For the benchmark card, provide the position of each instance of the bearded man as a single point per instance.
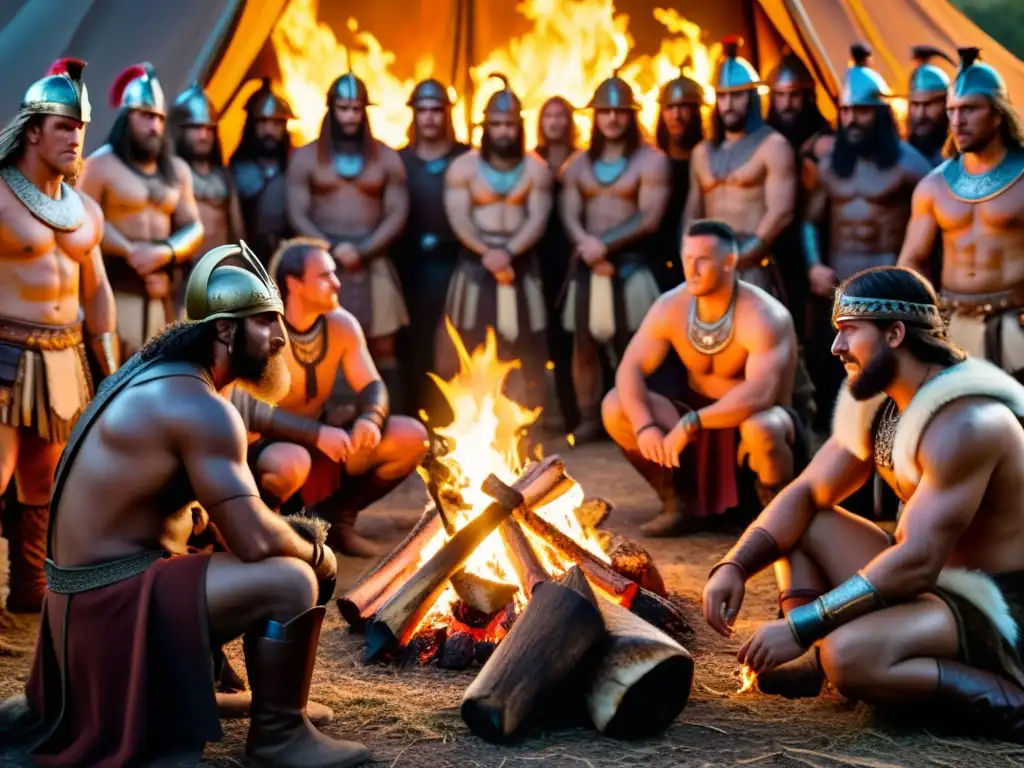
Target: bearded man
(927, 122)
(680, 129)
(975, 203)
(51, 273)
(429, 247)
(197, 143)
(129, 616)
(258, 167)
(863, 200)
(732, 401)
(613, 199)
(152, 228)
(339, 462)
(498, 200)
(349, 189)
(933, 613)
(745, 174)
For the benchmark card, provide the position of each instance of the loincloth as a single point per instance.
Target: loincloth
(610, 308)
(989, 610)
(45, 382)
(373, 294)
(989, 326)
(123, 670)
(325, 474)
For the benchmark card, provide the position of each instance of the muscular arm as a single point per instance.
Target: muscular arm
(571, 204)
(646, 351)
(394, 207)
(187, 233)
(652, 198)
(356, 364)
(92, 182)
(458, 204)
(538, 211)
(299, 198)
(96, 296)
(266, 420)
(209, 438)
(771, 347)
(780, 188)
(959, 452)
(922, 230)
(695, 196)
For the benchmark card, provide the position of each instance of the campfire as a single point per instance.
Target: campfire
(571, 47)
(507, 568)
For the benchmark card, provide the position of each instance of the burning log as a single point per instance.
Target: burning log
(524, 559)
(559, 626)
(635, 563)
(401, 614)
(641, 679)
(459, 651)
(592, 512)
(482, 594)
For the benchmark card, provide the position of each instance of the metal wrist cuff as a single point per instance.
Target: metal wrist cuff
(691, 423)
(107, 348)
(185, 241)
(755, 550)
(850, 600)
(812, 248)
(293, 428)
(752, 247)
(374, 404)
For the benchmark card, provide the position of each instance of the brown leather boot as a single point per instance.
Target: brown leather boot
(280, 664)
(237, 706)
(25, 531)
(992, 702)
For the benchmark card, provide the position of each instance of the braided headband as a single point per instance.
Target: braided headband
(846, 308)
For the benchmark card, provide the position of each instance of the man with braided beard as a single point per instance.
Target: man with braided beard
(975, 202)
(933, 613)
(349, 189)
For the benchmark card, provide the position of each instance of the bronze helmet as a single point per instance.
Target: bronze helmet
(60, 92)
(976, 77)
(264, 103)
(137, 87)
(348, 87)
(193, 107)
(228, 291)
(681, 90)
(429, 90)
(733, 72)
(504, 102)
(864, 87)
(790, 74)
(614, 93)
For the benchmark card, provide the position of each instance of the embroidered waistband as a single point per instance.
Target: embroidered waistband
(983, 304)
(71, 581)
(43, 337)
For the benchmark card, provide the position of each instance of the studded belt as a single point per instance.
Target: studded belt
(983, 304)
(43, 337)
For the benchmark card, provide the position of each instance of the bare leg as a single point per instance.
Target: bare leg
(588, 381)
(766, 439)
(8, 508)
(281, 471)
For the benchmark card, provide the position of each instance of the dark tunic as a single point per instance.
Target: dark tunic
(261, 195)
(666, 243)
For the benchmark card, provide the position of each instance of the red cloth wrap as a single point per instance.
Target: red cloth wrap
(324, 478)
(709, 479)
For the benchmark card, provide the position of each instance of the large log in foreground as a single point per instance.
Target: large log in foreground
(395, 622)
(556, 631)
(641, 679)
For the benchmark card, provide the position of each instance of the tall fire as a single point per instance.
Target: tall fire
(572, 46)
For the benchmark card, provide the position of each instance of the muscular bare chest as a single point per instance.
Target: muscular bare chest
(367, 185)
(1000, 215)
(493, 186)
(127, 194)
(869, 209)
(23, 238)
(314, 362)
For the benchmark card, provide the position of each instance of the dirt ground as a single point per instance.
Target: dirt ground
(410, 717)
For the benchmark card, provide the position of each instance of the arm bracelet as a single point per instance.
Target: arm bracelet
(850, 600)
(811, 244)
(269, 421)
(755, 550)
(374, 405)
(753, 247)
(691, 423)
(107, 349)
(185, 241)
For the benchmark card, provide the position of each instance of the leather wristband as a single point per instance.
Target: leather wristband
(374, 403)
(755, 550)
(645, 427)
(293, 428)
(850, 600)
(107, 349)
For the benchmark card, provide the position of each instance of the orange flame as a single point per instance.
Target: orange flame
(572, 46)
(748, 678)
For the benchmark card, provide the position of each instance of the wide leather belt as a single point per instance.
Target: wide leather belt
(43, 337)
(983, 304)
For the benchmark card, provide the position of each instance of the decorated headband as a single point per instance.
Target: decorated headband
(846, 308)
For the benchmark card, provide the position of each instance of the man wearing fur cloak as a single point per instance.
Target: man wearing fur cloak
(935, 611)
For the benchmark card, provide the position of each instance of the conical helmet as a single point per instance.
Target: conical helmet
(790, 74)
(137, 87)
(504, 102)
(60, 92)
(228, 291)
(681, 90)
(864, 87)
(614, 93)
(429, 90)
(264, 103)
(927, 80)
(194, 107)
(976, 77)
(348, 87)
(733, 72)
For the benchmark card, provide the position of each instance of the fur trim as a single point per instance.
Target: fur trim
(972, 378)
(309, 528)
(983, 593)
(851, 422)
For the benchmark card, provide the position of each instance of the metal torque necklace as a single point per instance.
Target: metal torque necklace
(712, 338)
(309, 348)
(888, 426)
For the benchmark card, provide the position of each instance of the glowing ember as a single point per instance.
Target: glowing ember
(747, 679)
(572, 46)
(484, 438)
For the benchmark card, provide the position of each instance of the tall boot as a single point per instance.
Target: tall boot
(590, 429)
(25, 530)
(280, 664)
(342, 510)
(992, 702)
(673, 519)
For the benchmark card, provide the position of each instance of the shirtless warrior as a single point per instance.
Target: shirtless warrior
(864, 188)
(614, 196)
(932, 614)
(339, 463)
(498, 200)
(258, 167)
(129, 616)
(927, 122)
(349, 189)
(975, 203)
(198, 144)
(745, 174)
(152, 228)
(738, 351)
(50, 272)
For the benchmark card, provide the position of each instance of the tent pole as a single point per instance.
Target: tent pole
(470, 61)
(215, 44)
(819, 60)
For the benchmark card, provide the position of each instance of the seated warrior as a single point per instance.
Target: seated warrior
(935, 611)
(339, 461)
(733, 390)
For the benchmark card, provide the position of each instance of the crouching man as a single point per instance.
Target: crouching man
(935, 612)
(342, 460)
